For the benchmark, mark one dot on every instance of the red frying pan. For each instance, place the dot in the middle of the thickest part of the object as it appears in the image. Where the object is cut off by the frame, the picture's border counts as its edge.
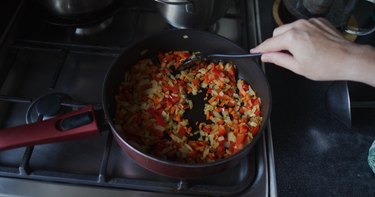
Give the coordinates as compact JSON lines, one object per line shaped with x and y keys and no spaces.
{"x":81,"y":123}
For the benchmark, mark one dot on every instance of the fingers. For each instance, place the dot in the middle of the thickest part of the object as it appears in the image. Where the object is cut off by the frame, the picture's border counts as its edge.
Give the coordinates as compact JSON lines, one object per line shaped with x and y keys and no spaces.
{"x":282,"y":29}
{"x":282,"y":38}
{"x":274,"y":44}
{"x":301,"y":39}
{"x":282,"y":59}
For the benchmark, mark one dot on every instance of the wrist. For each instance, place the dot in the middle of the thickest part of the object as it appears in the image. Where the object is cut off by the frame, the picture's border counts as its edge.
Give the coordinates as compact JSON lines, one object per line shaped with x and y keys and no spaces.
{"x":361,"y":67}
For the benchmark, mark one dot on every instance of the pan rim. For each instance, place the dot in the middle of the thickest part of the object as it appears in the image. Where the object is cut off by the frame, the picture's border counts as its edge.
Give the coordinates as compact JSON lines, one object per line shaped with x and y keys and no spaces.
{"x":244,"y":151}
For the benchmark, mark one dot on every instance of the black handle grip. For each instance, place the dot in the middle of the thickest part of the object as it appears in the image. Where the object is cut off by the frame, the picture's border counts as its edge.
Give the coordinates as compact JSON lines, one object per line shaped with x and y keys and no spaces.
{"x":76,"y":121}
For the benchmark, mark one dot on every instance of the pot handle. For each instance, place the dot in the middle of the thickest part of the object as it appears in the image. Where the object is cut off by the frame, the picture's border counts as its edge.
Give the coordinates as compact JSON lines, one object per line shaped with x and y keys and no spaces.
{"x":189,"y":6}
{"x":70,"y":126}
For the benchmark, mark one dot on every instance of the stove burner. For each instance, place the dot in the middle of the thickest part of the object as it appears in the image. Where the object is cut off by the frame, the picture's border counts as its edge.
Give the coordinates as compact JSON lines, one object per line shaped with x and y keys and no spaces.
{"x":88,"y":30}
{"x":83,"y":25}
{"x":214,"y":28}
{"x":49,"y":106}
{"x":286,"y":11}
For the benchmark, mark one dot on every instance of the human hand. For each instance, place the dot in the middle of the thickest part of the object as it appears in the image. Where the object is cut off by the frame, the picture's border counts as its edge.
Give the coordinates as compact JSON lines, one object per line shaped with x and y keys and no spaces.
{"x":315,"y":49}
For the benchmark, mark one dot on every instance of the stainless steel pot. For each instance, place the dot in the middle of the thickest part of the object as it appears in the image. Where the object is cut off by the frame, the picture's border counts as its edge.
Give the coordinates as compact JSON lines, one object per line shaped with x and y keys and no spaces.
{"x":198,"y":14}
{"x":73,"y":9}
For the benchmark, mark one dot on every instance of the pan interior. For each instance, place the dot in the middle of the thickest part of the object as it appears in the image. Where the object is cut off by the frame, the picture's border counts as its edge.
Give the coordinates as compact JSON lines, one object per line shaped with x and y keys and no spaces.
{"x":180,"y":40}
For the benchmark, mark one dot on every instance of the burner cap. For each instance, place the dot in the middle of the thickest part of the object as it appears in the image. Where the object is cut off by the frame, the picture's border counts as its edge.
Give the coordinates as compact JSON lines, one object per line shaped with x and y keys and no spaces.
{"x":50,"y":105}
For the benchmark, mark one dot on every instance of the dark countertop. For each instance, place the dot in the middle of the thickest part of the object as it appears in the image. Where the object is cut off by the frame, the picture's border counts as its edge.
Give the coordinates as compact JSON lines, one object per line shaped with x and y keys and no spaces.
{"x":315,"y":154}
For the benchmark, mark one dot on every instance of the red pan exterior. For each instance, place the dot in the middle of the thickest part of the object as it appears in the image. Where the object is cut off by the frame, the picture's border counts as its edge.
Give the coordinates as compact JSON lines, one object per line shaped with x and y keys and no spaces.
{"x":193,"y":40}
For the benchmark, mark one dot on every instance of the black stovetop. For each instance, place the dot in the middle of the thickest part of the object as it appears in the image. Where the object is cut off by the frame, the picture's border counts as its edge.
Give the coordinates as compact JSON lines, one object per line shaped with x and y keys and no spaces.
{"x":42,"y":55}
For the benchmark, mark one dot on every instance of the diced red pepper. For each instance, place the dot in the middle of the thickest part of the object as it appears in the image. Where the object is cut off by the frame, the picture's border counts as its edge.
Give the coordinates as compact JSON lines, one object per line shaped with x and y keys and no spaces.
{"x":222,"y":131}
{"x":243,"y":110}
{"x":173,"y":89}
{"x":157,"y":116}
{"x":231,"y":147}
{"x":217,"y":72}
{"x":230,"y":92}
{"x":196,"y":82}
{"x":254,"y":130}
{"x":231,"y":71}
{"x":245,"y":87}
{"x":255,"y":101}
{"x":244,"y":129}
{"x":209,"y":90}
{"x":182,"y":131}
{"x":173,"y":99}
{"x":240,"y":139}
{"x":207,"y":128}
{"x":220,"y":150}
{"x":257,"y":112}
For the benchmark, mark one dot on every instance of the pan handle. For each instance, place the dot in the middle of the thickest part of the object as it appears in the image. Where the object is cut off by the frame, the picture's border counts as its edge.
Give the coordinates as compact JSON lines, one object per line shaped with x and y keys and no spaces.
{"x":70,"y":126}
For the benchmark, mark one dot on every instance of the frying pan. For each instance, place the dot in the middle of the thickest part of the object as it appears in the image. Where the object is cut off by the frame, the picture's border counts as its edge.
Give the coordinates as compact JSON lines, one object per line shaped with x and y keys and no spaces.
{"x":83,"y":122}
{"x":192,"y":40}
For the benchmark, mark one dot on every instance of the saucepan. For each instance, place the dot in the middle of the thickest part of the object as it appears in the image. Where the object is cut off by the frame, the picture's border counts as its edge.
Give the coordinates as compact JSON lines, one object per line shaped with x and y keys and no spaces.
{"x":76,"y":9}
{"x":86,"y":118}
{"x":197,"y":14}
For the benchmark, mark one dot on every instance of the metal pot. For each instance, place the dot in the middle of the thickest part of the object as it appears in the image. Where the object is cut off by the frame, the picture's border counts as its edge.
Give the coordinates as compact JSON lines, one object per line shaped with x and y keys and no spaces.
{"x":73,"y":9}
{"x":199,"y":14}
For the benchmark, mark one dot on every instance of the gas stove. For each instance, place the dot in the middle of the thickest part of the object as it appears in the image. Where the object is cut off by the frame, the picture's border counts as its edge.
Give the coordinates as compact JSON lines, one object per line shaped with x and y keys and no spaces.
{"x":44,"y":59}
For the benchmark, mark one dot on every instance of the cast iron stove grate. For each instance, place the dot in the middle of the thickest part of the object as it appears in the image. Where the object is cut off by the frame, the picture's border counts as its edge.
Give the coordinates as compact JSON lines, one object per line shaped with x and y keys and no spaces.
{"x":45,"y":58}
